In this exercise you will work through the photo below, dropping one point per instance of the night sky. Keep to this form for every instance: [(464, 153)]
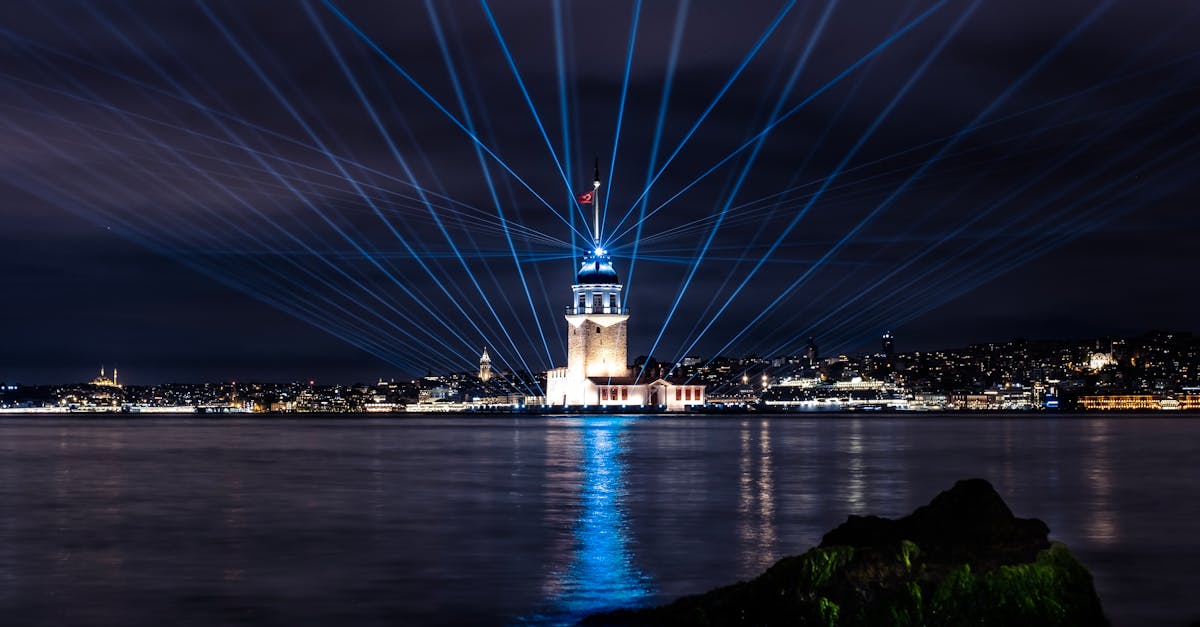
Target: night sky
[(353, 190)]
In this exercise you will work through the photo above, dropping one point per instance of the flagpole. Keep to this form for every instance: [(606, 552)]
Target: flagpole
[(596, 201)]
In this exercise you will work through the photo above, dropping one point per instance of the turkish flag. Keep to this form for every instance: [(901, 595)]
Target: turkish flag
[(586, 198)]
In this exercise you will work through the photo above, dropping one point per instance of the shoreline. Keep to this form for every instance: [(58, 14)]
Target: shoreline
[(715, 413)]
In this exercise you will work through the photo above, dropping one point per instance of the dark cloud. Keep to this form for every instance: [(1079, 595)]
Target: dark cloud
[(167, 209)]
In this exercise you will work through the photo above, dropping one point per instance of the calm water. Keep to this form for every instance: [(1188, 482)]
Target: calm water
[(509, 521)]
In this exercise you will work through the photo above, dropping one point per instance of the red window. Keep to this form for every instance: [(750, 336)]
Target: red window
[(624, 394), (604, 394), (678, 394)]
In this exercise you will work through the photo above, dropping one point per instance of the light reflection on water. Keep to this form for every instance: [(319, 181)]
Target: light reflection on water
[(601, 573), (1102, 524), (856, 478), (538, 521), (756, 500)]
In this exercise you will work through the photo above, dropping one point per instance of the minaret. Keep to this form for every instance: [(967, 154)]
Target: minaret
[(485, 366)]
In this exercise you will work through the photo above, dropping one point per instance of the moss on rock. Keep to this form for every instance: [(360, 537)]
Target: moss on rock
[(919, 570)]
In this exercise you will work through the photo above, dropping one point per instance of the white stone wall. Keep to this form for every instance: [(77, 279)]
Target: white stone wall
[(557, 387), (688, 395), (636, 395)]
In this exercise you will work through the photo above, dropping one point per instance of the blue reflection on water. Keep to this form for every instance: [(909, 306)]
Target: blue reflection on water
[(601, 575)]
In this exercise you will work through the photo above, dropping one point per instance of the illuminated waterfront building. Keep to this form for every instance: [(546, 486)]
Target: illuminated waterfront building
[(817, 394), (597, 371), (1130, 402)]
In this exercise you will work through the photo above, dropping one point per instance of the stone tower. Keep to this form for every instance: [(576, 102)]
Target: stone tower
[(596, 328), (485, 366), (596, 321), (596, 334)]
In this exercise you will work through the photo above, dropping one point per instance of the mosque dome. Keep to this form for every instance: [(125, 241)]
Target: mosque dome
[(597, 268)]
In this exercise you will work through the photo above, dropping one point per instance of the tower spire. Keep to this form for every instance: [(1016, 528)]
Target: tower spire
[(485, 366), (596, 200)]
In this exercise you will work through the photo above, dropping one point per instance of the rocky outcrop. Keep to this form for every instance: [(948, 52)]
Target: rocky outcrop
[(963, 559)]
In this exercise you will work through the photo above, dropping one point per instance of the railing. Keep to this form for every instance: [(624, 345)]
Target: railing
[(579, 311)]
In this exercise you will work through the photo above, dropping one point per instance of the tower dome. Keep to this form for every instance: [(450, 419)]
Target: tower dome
[(596, 269)]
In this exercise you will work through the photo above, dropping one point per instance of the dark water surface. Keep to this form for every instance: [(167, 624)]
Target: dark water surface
[(500, 520)]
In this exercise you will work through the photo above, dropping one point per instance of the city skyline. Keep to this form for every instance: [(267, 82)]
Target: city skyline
[(346, 191), (1079, 354)]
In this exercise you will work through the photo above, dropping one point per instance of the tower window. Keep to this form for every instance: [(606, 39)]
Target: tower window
[(597, 302), (582, 303), (597, 329), (612, 301)]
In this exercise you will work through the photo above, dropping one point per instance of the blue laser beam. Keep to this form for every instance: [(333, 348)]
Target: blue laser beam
[(512, 65), (762, 40), (672, 61), (409, 173), (353, 182), (1107, 190), (424, 92), (430, 8), (304, 199), (612, 163), (812, 96), (746, 169), (977, 216), (866, 135), (166, 250)]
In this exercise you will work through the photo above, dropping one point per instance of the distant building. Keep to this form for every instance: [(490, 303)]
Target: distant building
[(807, 393), (811, 354), (104, 381), (1128, 402), (889, 345), (1099, 360), (485, 366)]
